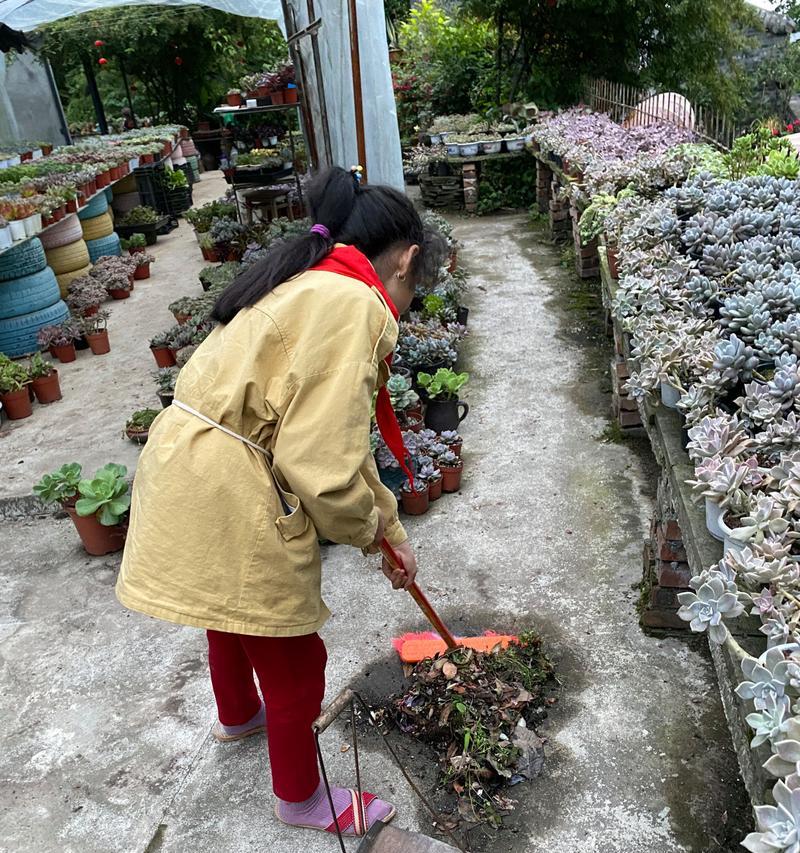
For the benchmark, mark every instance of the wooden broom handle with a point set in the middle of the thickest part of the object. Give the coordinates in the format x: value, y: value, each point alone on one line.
x: 396, y: 562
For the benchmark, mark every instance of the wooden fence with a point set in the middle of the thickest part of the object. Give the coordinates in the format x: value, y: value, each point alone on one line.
x: 631, y: 106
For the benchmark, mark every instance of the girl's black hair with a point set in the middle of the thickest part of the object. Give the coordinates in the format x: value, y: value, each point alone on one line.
x: 371, y: 218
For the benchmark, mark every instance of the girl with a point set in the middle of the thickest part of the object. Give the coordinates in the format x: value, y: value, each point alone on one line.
x: 264, y: 451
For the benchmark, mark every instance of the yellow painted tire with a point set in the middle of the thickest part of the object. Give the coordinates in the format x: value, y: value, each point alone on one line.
x: 97, y: 227
x: 67, y: 258
x: 65, y: 279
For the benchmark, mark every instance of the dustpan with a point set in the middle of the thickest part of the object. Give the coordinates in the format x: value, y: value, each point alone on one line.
x: 380, y: 838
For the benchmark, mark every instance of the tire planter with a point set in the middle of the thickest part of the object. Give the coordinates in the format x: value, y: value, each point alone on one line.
x: 28, y: 294
x: 125, y: 202
x: 65, y: 279
x: 97, y: 227
x: 22, y: 260
x: 124, y: 187
x: 104, y: 246
x: 67, y: 231
x: 97, y: 539
x: 68, y: 258
x: 18, y: 334
x: 47, y: 388
x: 98, y: 205
x: 17, y: 404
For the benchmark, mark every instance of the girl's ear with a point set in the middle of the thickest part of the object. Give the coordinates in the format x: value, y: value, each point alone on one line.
x: 406, y: 261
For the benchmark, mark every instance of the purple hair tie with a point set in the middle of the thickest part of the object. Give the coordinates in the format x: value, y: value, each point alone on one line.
x: 322, y: 230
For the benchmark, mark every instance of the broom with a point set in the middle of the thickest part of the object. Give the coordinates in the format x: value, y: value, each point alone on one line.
x: 413, y: 648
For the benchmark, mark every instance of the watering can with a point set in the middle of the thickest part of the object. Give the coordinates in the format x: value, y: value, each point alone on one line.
x: 381, y: 837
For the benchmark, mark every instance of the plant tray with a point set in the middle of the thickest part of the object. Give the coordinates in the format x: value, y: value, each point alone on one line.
x: 150, y: 231
x: 259, y: 176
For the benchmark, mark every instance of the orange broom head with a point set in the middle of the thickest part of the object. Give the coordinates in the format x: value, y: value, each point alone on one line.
x: 413, y: 648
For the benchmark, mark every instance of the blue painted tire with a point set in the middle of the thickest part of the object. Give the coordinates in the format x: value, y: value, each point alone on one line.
x: 28, y: 293
x: 25, y: 259
x: 98, y: 205
x: 109, y: 194
x: 104, y: 246
x: 18, y: 334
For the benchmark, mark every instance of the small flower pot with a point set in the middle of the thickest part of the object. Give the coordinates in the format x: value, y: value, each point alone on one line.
x: 714, y: 513
x: 72, y: 205
x: 138, y: 249
x: 119, y: 293
x: 670, y: 395
x: 17, y: 404
x: 142, y: 271
x: 65, y: 353
x: 234, y: 100
x: 444, y: 415
x: 81, y: 200
x: 97, y: 539
x: 462, y: 315
x: 103, y: 180
x: 99, y: 342
x: 278, y: 96
x: 413, y: 421
x: 47, y: 388
x: 91, y: 310
x: 435, y: 489
x: 137, y: 436
x: 456, y: 448
x: 166, y: 399
x: 290, y: 95
x: 415, y: 504
x: 17, y: 227
x: 164, y: 356
x: 182, y: 319
x: 451, y: 478
x: 730, y: 544
x: 453, y: 261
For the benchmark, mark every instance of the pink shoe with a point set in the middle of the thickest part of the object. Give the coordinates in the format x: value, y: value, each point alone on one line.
x: 253, y: 726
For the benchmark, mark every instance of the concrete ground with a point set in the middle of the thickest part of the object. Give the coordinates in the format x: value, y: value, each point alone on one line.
x: 106, y: 715
x: 101, y: 392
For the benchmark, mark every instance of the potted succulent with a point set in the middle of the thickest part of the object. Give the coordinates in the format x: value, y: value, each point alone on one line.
x: 442, y: 412
x: 181, y: 310
x: 208, y: 248
x: 138, y: 426
x: 135, y: 243
x: 452, y: 440
x: 84, y: 296
x: 119, y: 284
x: 95, y: 330
x: 139, y: 220
x: 405, y: 402
x: 60, y: 340
x: 99, y: 512
x: 451, y: 467
x: 44, y: 380
x: 61, y: 486
x: 415, y: 504
x: 429, y: 473
x: 142, y: 269
x: 233, y: 97
x: 165, y: 378
x: 160, y: 346
x: 14, y: 394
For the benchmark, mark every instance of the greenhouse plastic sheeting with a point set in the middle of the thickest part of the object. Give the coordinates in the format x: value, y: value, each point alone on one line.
x: 382, y: 141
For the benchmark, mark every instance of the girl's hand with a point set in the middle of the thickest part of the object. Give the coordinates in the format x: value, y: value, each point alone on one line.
x: 402, y: 579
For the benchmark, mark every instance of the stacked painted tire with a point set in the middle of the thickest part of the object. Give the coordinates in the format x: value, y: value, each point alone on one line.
x: 126, y: 195
x: 66, y: 250
x: 29, y: 298
x: 98, y: 229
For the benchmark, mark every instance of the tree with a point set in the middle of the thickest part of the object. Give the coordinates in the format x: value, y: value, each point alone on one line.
x: 179, y: 60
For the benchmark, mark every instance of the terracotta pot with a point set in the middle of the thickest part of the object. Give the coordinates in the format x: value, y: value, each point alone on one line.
x: 278, y: 96
x: 26, y: 155
x: 456, y: 448
x: 612, y: 253
x: 91, y: 310
x: 17, y: 404
x: 142, y: 271
x: 233, y: 255
x: 47, y: 149
x: 413, y: 422
x: 64, y: 353
x: 182, y: 319
x: 116, y: 173
x: 139, y: 436
x: 58, y: 213
x: 164, y: 356
x: 290, y: 96
x: 92, y: 186
x: 119, y: 293
x: 81, y: 200
x: 103, y: 180
x: 133, y: 251
x: 453, y: 261
x: 451, y: 478
x: 415, y: 504
x: 47, y: 220
x: 234, y: 100
x: 98, y: 341
x: 435, y: 489
x: 212, y: 256
x: 46, y: 388
x: 72, y: 205
x: 97, y: 538
x: 167, y: 149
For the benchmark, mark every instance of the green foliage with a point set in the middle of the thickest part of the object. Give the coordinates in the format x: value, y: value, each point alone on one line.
x: 179, y: 60
x: 60, y: 485
x: 106, y: 495
x: 13, y: 376
x: 38, y: 367
x: 143, y: 419
x: 176, y: 180
x: 136, y: 241
x: 444, y: 384
x: 760, y: 152
x: 506, y: 183
x: 141, y: 215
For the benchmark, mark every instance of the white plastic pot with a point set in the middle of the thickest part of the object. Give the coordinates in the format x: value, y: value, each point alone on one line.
x: 491, y: 147
x: 133, y: 164
x: 670, y: 395
x: 468, y: 149
x: 251, y: 102
x: 33, y: 224
x: 453, y: 149
x: 273, y: 140
x: 37, y: 153
x: 713, y: 516
x: 436, y: 139
x: 729, y: 543
x: 515, y: 144
x: 5, y: 238
x: 17, y: 227
x: 15, y: 160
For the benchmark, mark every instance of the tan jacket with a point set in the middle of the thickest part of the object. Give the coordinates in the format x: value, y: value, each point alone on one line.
x: 209, y: 542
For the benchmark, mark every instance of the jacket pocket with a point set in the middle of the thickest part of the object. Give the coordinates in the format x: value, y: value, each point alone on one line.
x: 295, y: 522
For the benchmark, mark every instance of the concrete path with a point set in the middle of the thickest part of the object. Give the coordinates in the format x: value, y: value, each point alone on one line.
x: 101, y: 392
x: 106, y: 714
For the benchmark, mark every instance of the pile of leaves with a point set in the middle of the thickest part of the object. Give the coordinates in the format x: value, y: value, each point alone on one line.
x: 477, y: 711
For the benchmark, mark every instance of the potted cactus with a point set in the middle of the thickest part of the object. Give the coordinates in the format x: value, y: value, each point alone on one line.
x: 451, y: 467
x: 14, y: 395
x: 44, y: 380
x: 442, y: 412
x: 415, y: 504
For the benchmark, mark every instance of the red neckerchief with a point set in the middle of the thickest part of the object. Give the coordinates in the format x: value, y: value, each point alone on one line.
x: 348, y: 261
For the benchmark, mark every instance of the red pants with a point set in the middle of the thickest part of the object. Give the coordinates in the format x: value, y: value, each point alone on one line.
x: 291, y: 674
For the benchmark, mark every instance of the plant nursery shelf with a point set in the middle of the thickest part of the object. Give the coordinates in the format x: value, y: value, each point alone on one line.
x: 480, y: 158
x: 251, y: 110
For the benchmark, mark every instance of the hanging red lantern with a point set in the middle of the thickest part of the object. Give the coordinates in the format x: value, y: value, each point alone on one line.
x: 178, y: 60
x: 99, y: 43
x: 102, y: 61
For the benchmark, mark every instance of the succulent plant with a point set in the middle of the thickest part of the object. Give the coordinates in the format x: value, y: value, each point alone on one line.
x: 770, y: 722
x: 722, y: 435
x: 705, y: 608
x: 401, y: 393
x: 734, y: 359
x: 765, y: 518
x: 767, y: 678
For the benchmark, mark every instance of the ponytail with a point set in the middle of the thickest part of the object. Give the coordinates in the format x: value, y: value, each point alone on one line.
x: 372, y: 218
